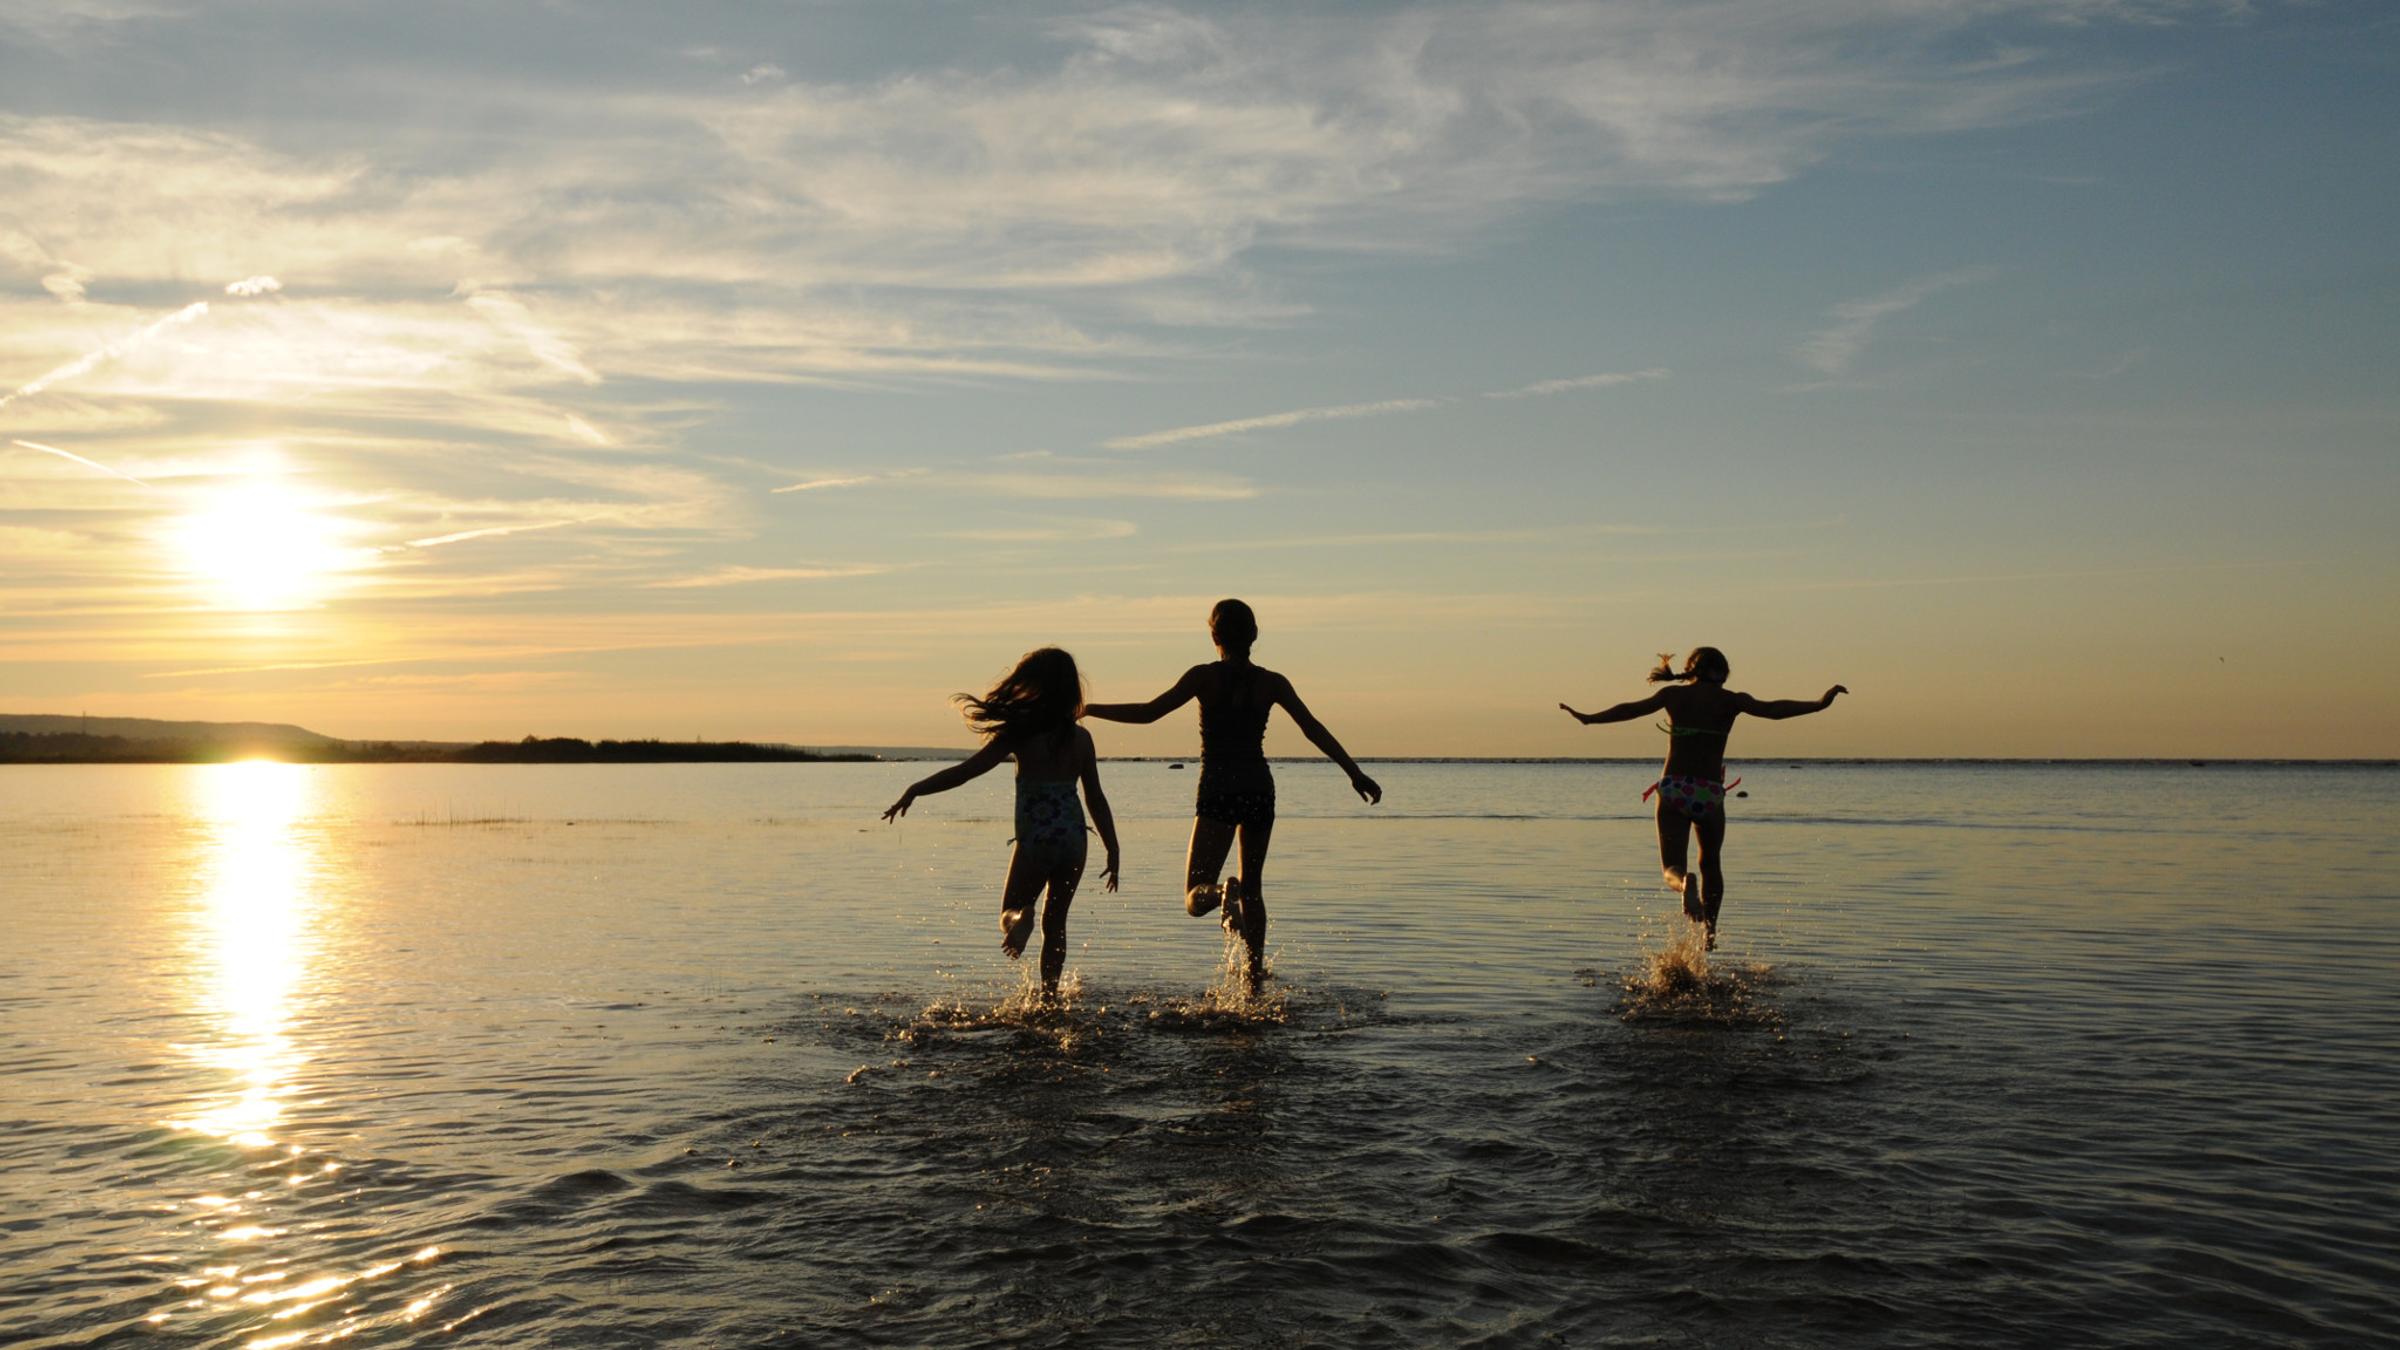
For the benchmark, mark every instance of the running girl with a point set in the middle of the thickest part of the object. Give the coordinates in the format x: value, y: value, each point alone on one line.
x: 1691, y: 788
x: 1237, y: 791
x: 1031, y: 715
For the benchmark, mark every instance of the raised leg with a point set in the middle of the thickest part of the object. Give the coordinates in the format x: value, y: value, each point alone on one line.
x: 1211, y: 841
x: 1027, y: 874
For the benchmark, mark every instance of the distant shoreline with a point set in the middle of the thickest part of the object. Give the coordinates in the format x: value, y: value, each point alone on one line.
x: 553, y: 751
x: 77, y: 748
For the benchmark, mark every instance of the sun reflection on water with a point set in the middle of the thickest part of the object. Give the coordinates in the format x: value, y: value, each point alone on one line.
x: 256, y: 928
x: 257, y: 905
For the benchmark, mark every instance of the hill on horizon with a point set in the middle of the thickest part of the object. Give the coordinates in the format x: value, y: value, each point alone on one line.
x: 155, y: 729
x: 150, y: 735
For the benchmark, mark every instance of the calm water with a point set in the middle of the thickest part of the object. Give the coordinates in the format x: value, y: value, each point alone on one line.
x: 626, y: 1056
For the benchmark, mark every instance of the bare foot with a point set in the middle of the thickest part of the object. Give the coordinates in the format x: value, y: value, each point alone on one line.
x: 1016, y: 925
x: 1202, y: 898
x: 1691, y: 898
x: 1232, y: 891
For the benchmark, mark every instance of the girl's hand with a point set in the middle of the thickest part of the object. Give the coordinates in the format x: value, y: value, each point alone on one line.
x: 1367, y: 788
x: 1837, y: 689
x: 1108, y: 874
x: 1574, y: 714
x: 900, y: 807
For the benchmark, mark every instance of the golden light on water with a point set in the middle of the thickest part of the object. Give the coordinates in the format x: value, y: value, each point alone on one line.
x: 258, y: 543
x: 256, y: 927
x: 256, y: 906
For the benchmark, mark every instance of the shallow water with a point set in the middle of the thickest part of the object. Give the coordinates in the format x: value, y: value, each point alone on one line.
x: 622, y: 1056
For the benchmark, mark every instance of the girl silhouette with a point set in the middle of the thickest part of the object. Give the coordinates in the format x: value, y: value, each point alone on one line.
x: 1030, y: 714
x: 1691, y: 787
x: 1237, y: 790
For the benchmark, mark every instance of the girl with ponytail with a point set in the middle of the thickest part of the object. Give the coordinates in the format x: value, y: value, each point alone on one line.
x: 1691, y: 787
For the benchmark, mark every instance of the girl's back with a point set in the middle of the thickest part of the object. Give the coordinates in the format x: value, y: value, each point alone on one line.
x: 1235, y: 701
x: 1055, y: 754
x: 1699, y: 721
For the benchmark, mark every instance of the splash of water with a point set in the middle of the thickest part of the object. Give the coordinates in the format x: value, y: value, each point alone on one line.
x: 1677, y: 982
x: 1231, y: 995
x: 1062, y: 1016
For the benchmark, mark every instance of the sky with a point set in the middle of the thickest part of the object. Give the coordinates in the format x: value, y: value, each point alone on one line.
x: 777, y: 370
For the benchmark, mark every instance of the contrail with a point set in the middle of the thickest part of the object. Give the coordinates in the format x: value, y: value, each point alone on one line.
x: 490, y: 531
x: 246, y: 288
x: 110, y: 352
x: 69, y: 454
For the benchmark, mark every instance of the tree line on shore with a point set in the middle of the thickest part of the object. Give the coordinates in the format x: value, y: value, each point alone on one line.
x: 80, y: 748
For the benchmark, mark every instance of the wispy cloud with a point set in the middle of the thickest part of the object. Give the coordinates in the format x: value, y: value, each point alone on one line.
x: 495, y: 531
x: 1079, y: 482
x: 848, y: 480
x: 1049, y: 532
x: 92, y: 360
x: 1271, y: 421
x: 2059, y: 574
x: 1835, y: 348
x: 1384, y: 408
x: 742, y: 576
x: 76, y: 458
x: 2118, y: 365
x: 1604, y: 380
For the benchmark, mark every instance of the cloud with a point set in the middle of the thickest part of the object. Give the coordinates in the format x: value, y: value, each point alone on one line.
x: 741, y: 576
x: 1272, y: 421
x: 1065, y: 531
x: 76, y: 458
x: 249, y: 286
x: 2062, y: 574
x: 495, y: 531
x: 847, y: 480
x: 2118, y: 365
x: 1384, y: 408
x: 510, y: 315
x: 1075, y: 482
x: 109, y: 351
x: 1607, y: 380
x: 1835, y: 348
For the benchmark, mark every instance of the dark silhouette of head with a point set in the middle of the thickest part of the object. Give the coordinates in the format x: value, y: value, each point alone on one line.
x: 1704, y: 664
x: 1233, y: 627
x: 1043, y: 694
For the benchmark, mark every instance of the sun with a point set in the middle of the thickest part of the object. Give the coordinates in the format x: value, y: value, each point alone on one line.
x: 260, y: 544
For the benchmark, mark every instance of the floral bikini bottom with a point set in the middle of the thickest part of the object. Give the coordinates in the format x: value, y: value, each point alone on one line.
x: 1694, y: 798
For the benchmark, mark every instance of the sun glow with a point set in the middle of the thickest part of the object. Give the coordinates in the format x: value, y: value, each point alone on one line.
x: 259, y: 544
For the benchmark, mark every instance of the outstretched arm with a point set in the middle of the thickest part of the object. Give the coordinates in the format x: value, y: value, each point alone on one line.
x: 1623, y: 712
x: 1289, y: 699
x: 1103, y: 819
x: 1775, y: 710
x: 972, y: 767
x: 1185, y: 690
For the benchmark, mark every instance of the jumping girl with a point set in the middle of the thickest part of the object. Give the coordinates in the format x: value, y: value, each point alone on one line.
x: 1237, y: 791
x: 1031, y: 715
x: 1691, y: 787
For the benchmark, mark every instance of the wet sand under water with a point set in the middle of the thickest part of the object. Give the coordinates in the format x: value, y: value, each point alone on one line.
x: 716, y: 1065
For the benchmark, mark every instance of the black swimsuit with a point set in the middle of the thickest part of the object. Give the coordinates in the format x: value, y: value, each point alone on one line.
x: 1236, y: 787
